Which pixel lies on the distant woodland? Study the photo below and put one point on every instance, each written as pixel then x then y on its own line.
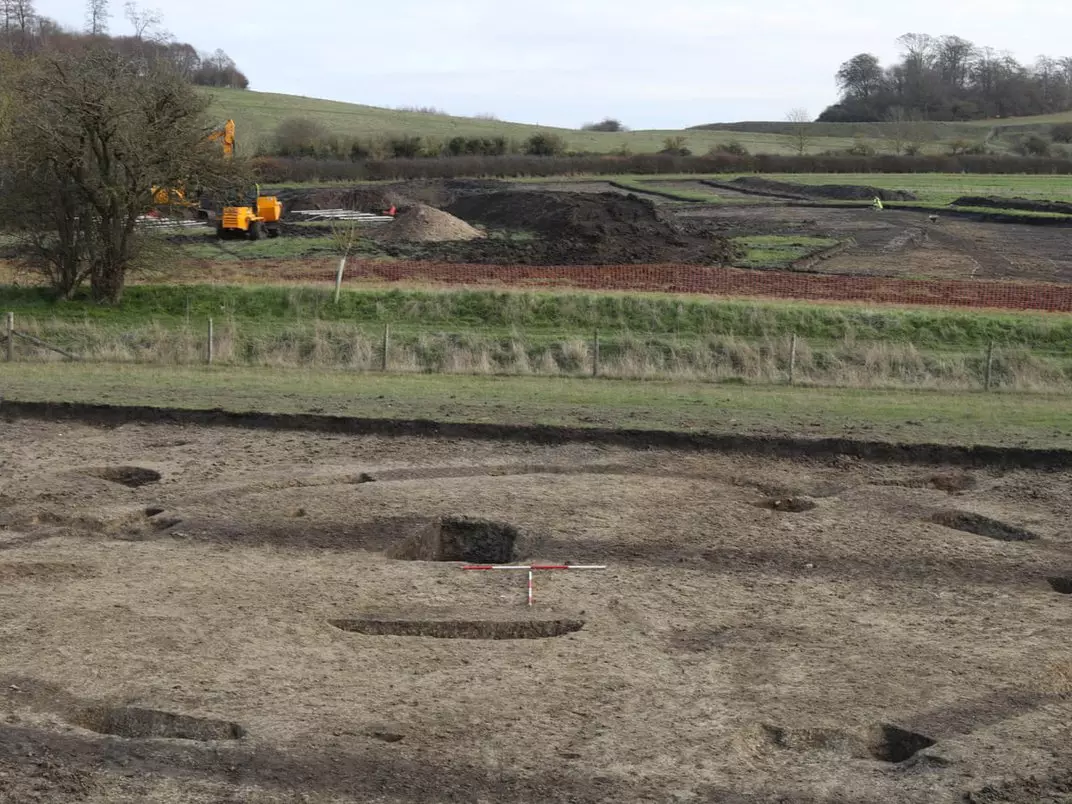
pixel 949 78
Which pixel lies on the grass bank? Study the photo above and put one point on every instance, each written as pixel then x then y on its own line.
pixel 901 416
pixel 558 313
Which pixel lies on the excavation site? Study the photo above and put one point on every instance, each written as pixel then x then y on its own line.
pixel 207 614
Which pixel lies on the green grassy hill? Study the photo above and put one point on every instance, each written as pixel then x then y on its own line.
pixel 258 113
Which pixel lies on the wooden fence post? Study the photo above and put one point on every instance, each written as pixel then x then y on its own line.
pixel 595 354
pixel 386 345
pixel 211 342
pixel 10 337
pixel 338 279
pixel 793 360
pixel 990 366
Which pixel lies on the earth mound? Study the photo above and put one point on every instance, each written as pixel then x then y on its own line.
pixel 381 197
pixel 424 224
pixel 1026 204
pixel 841 192
pixel 584 228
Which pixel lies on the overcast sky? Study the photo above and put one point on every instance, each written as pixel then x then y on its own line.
pixel 650 63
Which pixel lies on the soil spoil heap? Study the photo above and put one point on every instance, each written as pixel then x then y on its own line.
pixel 841 192
pixel 584 228
pixel 1025 204
pixel 424 224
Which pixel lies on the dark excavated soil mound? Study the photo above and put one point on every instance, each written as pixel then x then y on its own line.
pixel 381 197
pixel 842 192
pixel 582 228
pixel 1026 204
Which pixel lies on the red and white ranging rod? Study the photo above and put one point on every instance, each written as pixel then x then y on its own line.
pixel 531 568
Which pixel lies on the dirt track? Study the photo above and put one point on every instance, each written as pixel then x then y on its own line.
pixel 733 651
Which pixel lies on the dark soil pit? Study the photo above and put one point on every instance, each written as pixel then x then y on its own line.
pixel 982 526
pixel 790 505
pixel 893 744
pixel 462 629
pixel 136 723
pixel 1063 586
pixel 476 541
pixel 130 476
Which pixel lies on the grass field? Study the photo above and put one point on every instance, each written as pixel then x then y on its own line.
pixel 935 188
pixel 258 113
pixel 903 416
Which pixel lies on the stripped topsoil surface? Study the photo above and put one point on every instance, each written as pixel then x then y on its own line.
pixel 250 628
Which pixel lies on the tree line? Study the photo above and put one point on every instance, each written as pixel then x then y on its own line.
pixel 23 32
pixel 948 78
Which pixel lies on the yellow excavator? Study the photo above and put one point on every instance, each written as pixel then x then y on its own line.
pixel 261 216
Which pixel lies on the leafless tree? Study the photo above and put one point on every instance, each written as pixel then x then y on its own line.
pixel 97 14
pixel 145 21
pixel 800 129
pixel 95 133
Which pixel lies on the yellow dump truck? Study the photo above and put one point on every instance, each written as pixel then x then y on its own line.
pixel 258 219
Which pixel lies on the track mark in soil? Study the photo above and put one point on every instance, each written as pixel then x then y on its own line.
pixel 136 723
pixel 459 539
pixel 130 476
pixel 791 505
pixel 982 526
pixel 1063 586
pixel 11 571
pixel 893 744
pixel 462 629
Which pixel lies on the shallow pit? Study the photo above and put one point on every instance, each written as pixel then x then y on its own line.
pixel 982 526
pixel 462 629
pixel 129 476
pixel 135 723
pixel 788 505
pixel 893 744
pixel 1063 586
pixel 476 541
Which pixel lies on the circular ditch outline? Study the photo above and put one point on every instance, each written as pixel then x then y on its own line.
pixel 980 525
pixel 461 629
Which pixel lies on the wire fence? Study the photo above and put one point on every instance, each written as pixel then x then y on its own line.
pixel 777 359
pixel 707 280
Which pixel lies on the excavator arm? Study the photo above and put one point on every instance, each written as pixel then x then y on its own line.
pixel 226 135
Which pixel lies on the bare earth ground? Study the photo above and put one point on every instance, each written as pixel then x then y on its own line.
pixel 730 653
pixel 896 243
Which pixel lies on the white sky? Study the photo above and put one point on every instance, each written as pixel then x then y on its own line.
pixel 650 63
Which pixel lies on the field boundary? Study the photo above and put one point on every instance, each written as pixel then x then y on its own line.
pixel 768 446
pixel 718 281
